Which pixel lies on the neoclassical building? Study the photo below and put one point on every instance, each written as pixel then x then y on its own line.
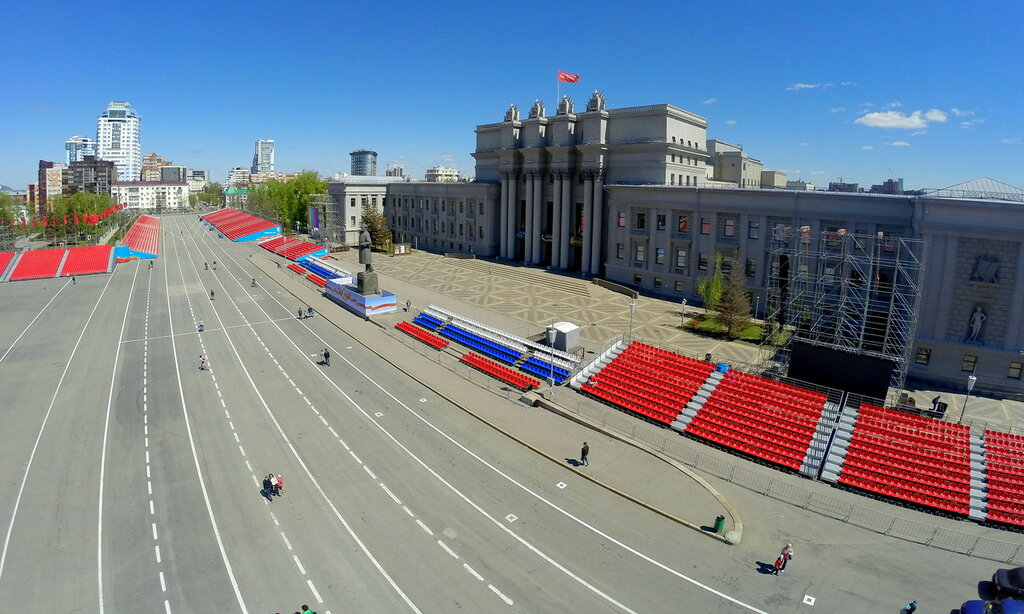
pixel 625 194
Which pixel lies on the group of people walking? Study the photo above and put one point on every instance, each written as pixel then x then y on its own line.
pixel 273 487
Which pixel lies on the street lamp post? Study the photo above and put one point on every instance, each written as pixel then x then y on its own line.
pixel 971 380
pixel 632 310
pixel 757 305
pixel 682 313
pixel 551 345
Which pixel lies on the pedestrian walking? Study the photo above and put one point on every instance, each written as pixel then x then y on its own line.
pixel 253 280
pixel 408 305
pixel 211 295
pixel 201 327
pixel 268 488
pixel 777 567
pixel 206 266
pixel 73 281
pixel 202 362
pixel 280 484
pixel 785 555
pixel 273 484
pixel 299 313
pixel 306 610
pixel 327 357
pixel 309 312
pixel 910 608
pixel 584 453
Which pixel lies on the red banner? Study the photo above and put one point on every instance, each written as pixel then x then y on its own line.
pixel 75 218
pixel 566 77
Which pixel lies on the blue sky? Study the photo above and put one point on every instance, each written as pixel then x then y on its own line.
pixel 931 92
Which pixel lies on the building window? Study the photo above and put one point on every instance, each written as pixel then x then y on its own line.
pixel 702 262
pixel 481 232
pixel 353 220
pixel 730 227
pixel 753 230
pixel 657 282
pixel 924 356
pixel 622 219
pixel 751 268
pixel 681 258
pixel 641 221
pixel 680 286
pixel 619 251
pixel 726 266
pixel 684 223
pixel 352 202
pixel 672 179
pixel 1015 370
pixel 969 364
pixel 705 226
pixel 661 221
pixel 638 280
pixel 641 252
pixel 659 255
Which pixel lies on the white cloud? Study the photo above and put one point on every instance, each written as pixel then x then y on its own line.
pixel 956 111
pixel 710 100
pixel 867 147
pixel 817 172
pixel 918 132
pixel 899 144
pixel 731 122
pixel 897 119
pixel 867 105
pixel 847 83
pixel 809 86
pixel 894 104
pixel 1010 141
pixel 972 123
pixel 804 144
pixel 837 109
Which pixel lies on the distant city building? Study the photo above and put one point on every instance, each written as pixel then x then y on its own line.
pixel 198 180
pixel 91 175
pixel 263 157
pixel 173 172
pixel 151 165
pixel 799 184
pixel 239 176
pixel 364 162
pixel 841 186
pixel 260 178
pixel 151 195
pixel 774 180
pixel 889 186
pixel 52 179
pixel 78 147
pixel 394 170
pixel 731 164
pixel 117 137
pixel 32 195
pixel 441 174
pixel 236 197
pixel 341 209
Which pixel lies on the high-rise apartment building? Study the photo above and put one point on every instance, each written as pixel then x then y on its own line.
pixel 90 175
pixel 239 176
pixel 52 179
pixel 151 165
pixel 364 162
pixel 263 157
pixel 198 180
pixel 117 139
pixel 78 147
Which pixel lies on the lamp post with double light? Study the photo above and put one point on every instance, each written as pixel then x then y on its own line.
pixel 682 313
pixel 971 380
pixel 551 345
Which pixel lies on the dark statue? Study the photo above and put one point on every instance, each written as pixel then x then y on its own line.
pixel 365 256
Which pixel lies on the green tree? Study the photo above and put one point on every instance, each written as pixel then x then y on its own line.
pixel 377 224
pixel 8 207
pixel 710 288
pixel 733 308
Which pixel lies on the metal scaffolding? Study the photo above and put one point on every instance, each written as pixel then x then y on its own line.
pixel 332 230
pixel 855 293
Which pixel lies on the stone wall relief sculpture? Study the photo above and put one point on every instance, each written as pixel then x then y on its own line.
pixel 986 269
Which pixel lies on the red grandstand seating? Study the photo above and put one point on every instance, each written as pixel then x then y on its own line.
pixel 430 339
pixel 501 372
pixel 144 235
pixel 297 268
pixel 316 279
pixel 234 224
pixel 87 259
pixel 38 264
pixel 1004 469
pixel 5 259
pixel 921 460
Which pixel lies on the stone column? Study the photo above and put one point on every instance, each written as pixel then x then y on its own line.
pixel 556 221
pixel 538 217
pixel 513 203
pixel 588 219
pixel 1015 327
pixel 503 218
pixel 567 220
pixel 528 214
pixel 597 226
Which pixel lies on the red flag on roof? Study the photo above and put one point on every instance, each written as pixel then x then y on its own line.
pixel 567 77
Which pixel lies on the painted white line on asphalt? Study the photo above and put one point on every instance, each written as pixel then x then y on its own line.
pixel 308 402
pixel 147 441
pixel 155 538
pixel 274 518
pixel 316 595
pixel 241 449
pixel 145 418
pixel 333 432
pixel 390 494
pixel 222 403
pixel 447 549
pixel 156 549
pixel 345 445
pixel 145 429
pixel 408 511
pixel 236 437
pixel 298 564
pixel 424 527
pixel 247 465
pixel 163 583
pixel 472 572
pixel 809 600
pixel 152 510
pixel 254 480
pixel 499 594
pixel 324 420
pixel 355 457
pixel 286 542
pixel 47 306
pixel 148 475
pixel 227 414
pixel 147 457
pixel 167 606
pixel 315 410
pixel 290 381
pixel 298 390
pixel 367 470
pixel 231 424
pixel 149 487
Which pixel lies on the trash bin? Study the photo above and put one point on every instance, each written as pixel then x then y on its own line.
pixel 719 523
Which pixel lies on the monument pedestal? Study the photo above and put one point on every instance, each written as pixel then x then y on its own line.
pixel 366 283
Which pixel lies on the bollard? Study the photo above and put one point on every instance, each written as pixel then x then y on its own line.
pixel 719 523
